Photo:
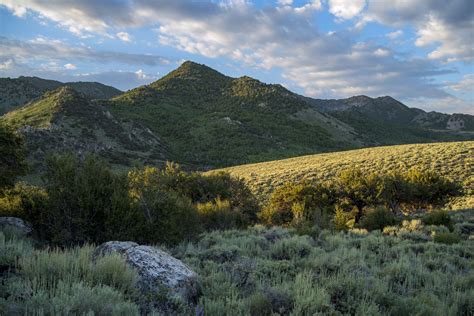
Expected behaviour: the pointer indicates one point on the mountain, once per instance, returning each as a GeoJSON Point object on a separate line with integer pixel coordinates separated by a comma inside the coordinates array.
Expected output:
{"type": "Point", "coordinates": [452, 160]}
{"type": "Point", "coordinates": [209, 119]}
{"type": "Point", "coordinates": [204, 119]}
{"type": "Point", "coordinates": [387, 109]}
{"type": "Point", "coordinates": [17, 92]}
{"type": "Point", "coordinates": [66, 120]}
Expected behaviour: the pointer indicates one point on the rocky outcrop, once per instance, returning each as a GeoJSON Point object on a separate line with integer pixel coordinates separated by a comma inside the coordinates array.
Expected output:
{"type": "Point", "coordinates": [16, 223]}
{"type": "Point", "coordinates": [167, 285]}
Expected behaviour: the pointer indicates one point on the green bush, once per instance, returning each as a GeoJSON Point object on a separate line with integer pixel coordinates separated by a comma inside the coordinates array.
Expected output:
{"type": "Point", "coordinates": [82, 195]}
{"type": "Point", "coordinates": [447, 238]}
{"type": "Point", "coordinates": [342, 218]}
{"type": "Point", "coordinates": [162, 216]}
{"type": "Point", "coordinates": [201, 188]}
{"type": "Point", "coordinates": [219, 215]}
{"type": "Point", "coordinates": [29, 203]}
{"type": "Point", "coordinates": [428, 188]}
{"type": "Point", "coordinates": [271, 301]}
{"type": "Point", "coordinates": [12, 156]}
{"type": "Point", "coordinates": [438, 218]}
{"type": "Point", "coordinates": [296, 203]}
{"type": "Point", "coordinates": [378, 218]}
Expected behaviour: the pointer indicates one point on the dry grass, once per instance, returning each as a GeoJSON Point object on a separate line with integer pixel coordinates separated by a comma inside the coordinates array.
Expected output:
{"type": "Point", "coordinates": [454, 160]}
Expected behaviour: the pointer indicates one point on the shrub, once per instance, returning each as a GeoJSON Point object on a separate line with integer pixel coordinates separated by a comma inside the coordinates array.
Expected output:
{"type": "Point", "coordinates": [219, 215]}
{"type": "Point", "coordinates": [82, 196]}
{"type": "Point", "coordinates": [12, 156]}
{"type": "Point", "coordinates": [341, 219]}
{"type": "Point", "coordinates": [27, 202]}
{"type": "Point", "coordinates": [163, 216]}
{"type": "Point", "coordinates": [427, 188]}
{"type": "Point", "coordinates": [447, 238]}
{"type": "Point", "coordinates": [300, 202]}
{"type": "Point", "coordinates": [378, 218]}
{"type": "Point", "coordinates": [438, 218]}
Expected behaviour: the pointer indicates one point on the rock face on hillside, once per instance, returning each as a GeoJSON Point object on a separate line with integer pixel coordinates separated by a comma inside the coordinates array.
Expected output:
{"type": "Point", "coordinates": [159, 274]}
{"type": "Point", "coordinates": [16, 223]}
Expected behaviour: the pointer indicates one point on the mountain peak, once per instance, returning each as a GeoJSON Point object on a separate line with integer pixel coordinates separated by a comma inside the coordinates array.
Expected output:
{"type": "Point", "coordinates": [198, 76]}
{"type": "Point", "coordinates": [190, 69]}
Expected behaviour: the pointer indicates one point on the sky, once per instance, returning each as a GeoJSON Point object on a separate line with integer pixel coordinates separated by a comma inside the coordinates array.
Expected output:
{"type": "Point", "coordinates": [420, 52]}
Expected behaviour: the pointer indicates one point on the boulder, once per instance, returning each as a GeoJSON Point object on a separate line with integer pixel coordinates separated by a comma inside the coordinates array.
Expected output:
{"type": "Point", "coordinates": [16, 223]}
{"type": "Point", "coordinates": [166, 284]}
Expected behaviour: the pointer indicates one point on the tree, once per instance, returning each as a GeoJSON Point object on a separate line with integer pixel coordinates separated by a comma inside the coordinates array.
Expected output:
{"type": "Point", "coordinates": [12, 156]}
{"type": "Point", "coordinates": [360, 189]}
{"type": "Point", "coordinates": [428, 188]}
{"type": "Point", "coordinates": [395, 191]}
{"type": "Point", "coordinates": [83, 196]}
{"type": "Point", "coordinates": [164, 216]}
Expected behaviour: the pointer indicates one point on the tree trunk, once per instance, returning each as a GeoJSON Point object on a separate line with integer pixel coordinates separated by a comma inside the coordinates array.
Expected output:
{"type": "Point", "coordinates": [358, 214]}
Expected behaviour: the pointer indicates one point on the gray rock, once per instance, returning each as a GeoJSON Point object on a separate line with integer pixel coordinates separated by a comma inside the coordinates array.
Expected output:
{"type": "Point", "coordinates": [16, 223]}
{"type": "Point", "coordinates": [165, 283]}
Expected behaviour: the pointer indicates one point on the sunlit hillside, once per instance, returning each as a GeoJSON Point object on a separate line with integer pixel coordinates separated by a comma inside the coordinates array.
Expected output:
{"type": "Point", "coordinates": [454, 160]}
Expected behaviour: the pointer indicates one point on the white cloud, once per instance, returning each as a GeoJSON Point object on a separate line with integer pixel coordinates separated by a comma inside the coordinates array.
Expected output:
{"type": "Point", "coordinates": [142, 75]}
{"type": "Point", "coordinates": [124, 36]}
{"type": "Point", "coordinates": [312, 5]}
{"type": "Point", "coordinates": [447, 104]}
{"type": "Point", "coordinates": [446, 25]}
{"type": "Point", "coordinates": [70, 66]}
{"type": "Point", "coordinates": [346, 9]}
{"type": "Point", "coordinates": [466, 84]}
{"type": "Point", "coordinates": [6, 64]}
{"type": "Point", "coordinates": [395, 34]}
{"type": "Point", "coordinates": [285, 2]}
{"type": "Point", "coordinates": [44, 49]}
{"type": "Point", "coordinates": [381, 52]}
{"type": "Point", "coordinates": [286, 38]}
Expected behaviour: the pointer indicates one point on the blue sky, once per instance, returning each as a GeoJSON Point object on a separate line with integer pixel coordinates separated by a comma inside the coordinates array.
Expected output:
{"type": "Point", "coordinates": [420, 52]}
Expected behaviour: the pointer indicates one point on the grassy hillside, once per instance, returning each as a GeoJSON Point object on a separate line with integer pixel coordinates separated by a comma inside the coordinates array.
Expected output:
{"type": "Point", "coordinates": [454, 160]}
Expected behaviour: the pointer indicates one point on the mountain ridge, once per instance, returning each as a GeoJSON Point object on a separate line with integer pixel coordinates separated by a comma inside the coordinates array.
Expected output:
{"type": "Point", "coordinates": [15, 92]}
{"type": "Point", "coordinates": [66, 120]}
{"type": "Point", "coordinates": [204, 119]}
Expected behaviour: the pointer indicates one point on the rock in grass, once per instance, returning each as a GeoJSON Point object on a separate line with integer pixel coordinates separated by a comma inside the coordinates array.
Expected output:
{"type": "Point", "coordinates": [166, 284]}
{"type": "Point", "coordinates": [15, 223]}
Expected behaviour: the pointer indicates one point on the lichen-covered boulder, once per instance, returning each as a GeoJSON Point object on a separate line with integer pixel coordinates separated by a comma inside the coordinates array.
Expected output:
{"type": "Point", "coordinates": [16, 223]}
{"type": "Point", "coordinates": [166, 284]}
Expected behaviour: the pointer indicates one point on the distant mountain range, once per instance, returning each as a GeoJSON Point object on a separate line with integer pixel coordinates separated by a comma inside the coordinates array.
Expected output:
{"type": "Point", "coordinates": [18, 91]}
{"type": "Point", "coordinates": [204, 119]}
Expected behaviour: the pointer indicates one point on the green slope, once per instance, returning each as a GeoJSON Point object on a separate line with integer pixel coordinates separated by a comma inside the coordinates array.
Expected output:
{"type": "Point", "coordinates": [19, 91]}
{"type": "Point", "coordinates": [454, 160]}
{"type": "Point", "coordinates": [209, 119]}
{"type": "Point", "coordinates": [65, 120]}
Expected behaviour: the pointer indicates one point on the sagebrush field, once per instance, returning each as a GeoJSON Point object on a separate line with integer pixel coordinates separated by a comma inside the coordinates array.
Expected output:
{"type": "Point", "coordinates": [454, 160]}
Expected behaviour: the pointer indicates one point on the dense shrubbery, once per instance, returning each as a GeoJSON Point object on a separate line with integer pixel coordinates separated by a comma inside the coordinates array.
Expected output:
{"type": "Point", "coordinates": [299, 202]}
{"type": "Point", "coordinates": [438, 218]}
{"type": "Point", "coordinates": [84, 201]}
{"type": "Point", "coordinates": [12, 156]}
{"type": "Point", "coordinates": [272, 271]}
{"type": "Point", "coordinates": [378, 218]}
{"type": "Point", "coordinates": [355, 192]}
